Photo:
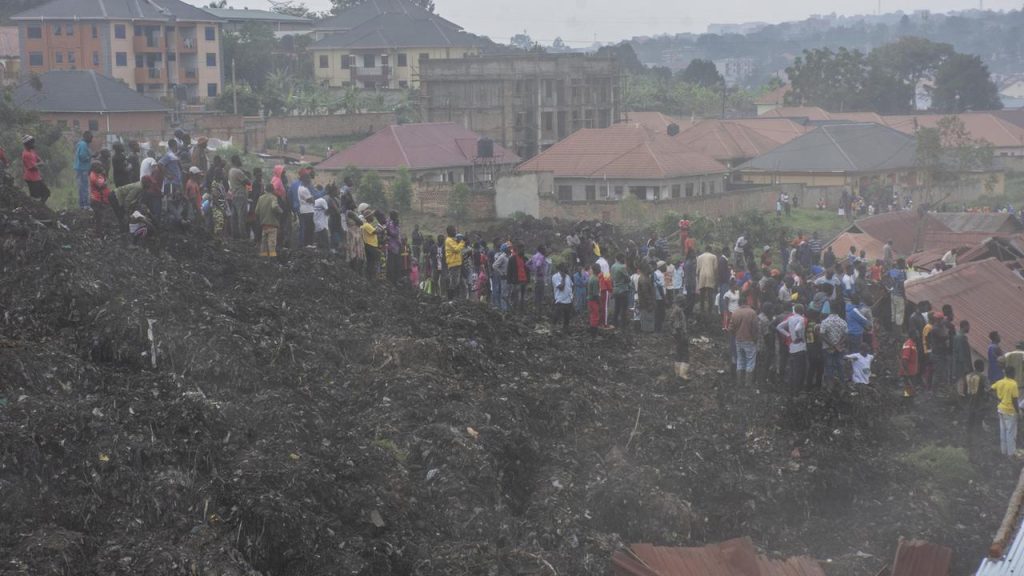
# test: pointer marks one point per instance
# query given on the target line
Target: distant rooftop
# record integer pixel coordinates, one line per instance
(256, 15)
(116, 10)
(82, 91)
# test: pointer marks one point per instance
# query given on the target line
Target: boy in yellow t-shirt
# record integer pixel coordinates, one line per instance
(1009, 408)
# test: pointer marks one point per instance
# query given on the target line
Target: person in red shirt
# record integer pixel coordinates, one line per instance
(909, 367)
(605, 283)
(875, 272)
(31, 162)
(99, 195)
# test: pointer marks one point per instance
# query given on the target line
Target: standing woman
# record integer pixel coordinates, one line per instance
(99, 195)
(31, 162)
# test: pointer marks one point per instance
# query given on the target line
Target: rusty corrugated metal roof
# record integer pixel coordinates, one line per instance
(987, 294)
(736, 557)
(920, 558)
(994, 222)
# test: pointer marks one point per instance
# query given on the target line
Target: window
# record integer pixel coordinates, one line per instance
(211, 90)
(35, 58)
(369, 60)
(618, 191)
(94, 125)
(565, 193)
(95, 58)
(424, 56)
(548, 88)
(211, 59)
(384, 60)
(172, 57)
(520, 119)
(58, 29)
(591, 192)
(58, 57)
(403, 84)
(139, 62)
(34, 32)
(323, 61)
(119, 31)
(211, 33)
(76, 125)
(139, 30)
(121, 58)
(676, 190)
(69, 30)
(711, 187)
(703, 188)
(402, 60)
(95, 31)
(344, 61)
(71, 57)
(547, 120)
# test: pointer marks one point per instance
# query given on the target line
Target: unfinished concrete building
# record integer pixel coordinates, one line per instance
(525, 102)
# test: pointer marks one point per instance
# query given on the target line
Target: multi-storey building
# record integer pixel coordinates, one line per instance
(525, 102)
(383, 44)
(158, 47)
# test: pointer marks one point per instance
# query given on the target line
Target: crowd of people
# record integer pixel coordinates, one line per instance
(798, 314)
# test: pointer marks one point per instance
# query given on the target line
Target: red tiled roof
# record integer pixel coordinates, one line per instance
(654, 121)
(781, 130)
(920, 558)
(873, 248)
(726, 139)
(987, 294)
(773, 97)
(416, 147)
(730, 558)
(997, 131)
(625, 150)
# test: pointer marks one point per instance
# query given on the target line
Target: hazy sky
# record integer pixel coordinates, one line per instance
(581, 22)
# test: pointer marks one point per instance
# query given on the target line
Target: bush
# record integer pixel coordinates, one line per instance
(401, 190)
(943, 466)
(371, 191)
(458, 202)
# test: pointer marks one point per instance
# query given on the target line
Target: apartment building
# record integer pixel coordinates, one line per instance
(383, 44)
(158, 47)
(525, 102)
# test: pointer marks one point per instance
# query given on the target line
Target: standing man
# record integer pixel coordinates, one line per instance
(453, 246)
(659, 295)
(561, 284)
(83, 163)
(792, 329)
(172, 191)
(910, 366)
(268, 214)
(620, 291)
(499, 273)
(237, 183)
(744, 326)
(707, 279)
(897, 292)
(833, 343)
(1008, 392)
(305, 198)
(30, 163)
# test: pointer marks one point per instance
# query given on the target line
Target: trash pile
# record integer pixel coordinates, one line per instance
(191, 409)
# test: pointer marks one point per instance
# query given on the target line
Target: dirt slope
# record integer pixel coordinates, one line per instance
(300, 421)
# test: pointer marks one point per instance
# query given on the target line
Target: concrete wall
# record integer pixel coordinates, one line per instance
(122, 123)
(519, 193)
(434, 199)
(327, 126)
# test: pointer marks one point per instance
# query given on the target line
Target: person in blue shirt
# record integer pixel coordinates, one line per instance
(856, 323)
(83, 163)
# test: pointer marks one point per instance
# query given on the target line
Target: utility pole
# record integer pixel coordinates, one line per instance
(234, 88)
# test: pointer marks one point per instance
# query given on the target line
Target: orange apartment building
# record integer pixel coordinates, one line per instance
(158, 47)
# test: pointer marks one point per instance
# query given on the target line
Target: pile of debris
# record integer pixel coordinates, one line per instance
(189, 408)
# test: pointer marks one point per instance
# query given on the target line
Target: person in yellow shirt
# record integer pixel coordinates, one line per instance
(453, 247)
(371, 243)
(1008, 393)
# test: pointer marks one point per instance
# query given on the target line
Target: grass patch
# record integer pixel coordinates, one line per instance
(945, 467)
(825, 222)
(318, 146)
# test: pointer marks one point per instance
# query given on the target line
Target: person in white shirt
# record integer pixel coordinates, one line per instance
(305, 210)
(148, 163)
(561, 284)
(320, 223)
(861, 362)
(792, 329)
(603, 263)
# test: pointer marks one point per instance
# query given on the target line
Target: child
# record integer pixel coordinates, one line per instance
(414, 273)
(975, 384)
(320, 224)
(861, 361)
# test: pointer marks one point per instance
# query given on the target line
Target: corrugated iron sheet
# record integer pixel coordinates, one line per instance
(993, 222)
(1010, 564)
(920, 558)
(987, 294)
(736, 557)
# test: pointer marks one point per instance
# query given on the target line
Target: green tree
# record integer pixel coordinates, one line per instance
(248, 101)
(522, 41)
(251, 52)
(832, 80)
(371, 190)
(352, 174)
(339, 6)
(401, 190)
(963, 83)
(458, 202)
(291, 8)
(909, 61)
(702, 73)
(949, 158)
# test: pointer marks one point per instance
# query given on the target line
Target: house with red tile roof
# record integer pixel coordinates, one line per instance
(432, 152)
(627, 159)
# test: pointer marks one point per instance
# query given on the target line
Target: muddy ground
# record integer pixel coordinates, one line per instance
(300, 421)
